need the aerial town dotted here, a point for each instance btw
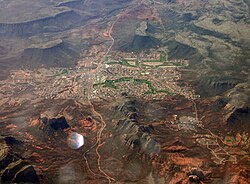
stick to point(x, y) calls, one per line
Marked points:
point(146, 75)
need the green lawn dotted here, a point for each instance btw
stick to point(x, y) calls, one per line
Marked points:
point(121, 62)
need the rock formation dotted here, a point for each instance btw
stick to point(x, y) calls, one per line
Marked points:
point(135, 134)
point(13, 168)
point(55, 53)
point(51, 126)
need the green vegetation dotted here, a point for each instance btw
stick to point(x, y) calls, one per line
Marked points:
point(124, 62)
point(177, 64)
point(107, 58)
point(163, 57)
point(107, 83)
point(164, 91)
point(123, 79)
point(151, 61)
point(112, 63)
point(148, 93)
point(121, 62)
point(173, 64)
point(63, 72)
point(152, 89)
point(111, 83)
point(145, 81)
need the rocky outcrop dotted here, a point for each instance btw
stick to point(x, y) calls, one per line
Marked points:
point(11, 140)
point(51, 126)
point(236, 110)
point(135, 134)
point(140, 43)
point(216, 85)
point(143, 40)
point(203, 31)
point(14, 169)
point(179, 50)
point(58, 22)
point(55, 53)
point(247, 2)
point(237, 114)
point(106, 6)
point(76, 4)
point(196, 176)
point(56, 123)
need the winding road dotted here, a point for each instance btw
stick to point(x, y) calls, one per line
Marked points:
point(99, 142)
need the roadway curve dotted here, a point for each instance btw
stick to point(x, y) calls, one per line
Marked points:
point(98, 142)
